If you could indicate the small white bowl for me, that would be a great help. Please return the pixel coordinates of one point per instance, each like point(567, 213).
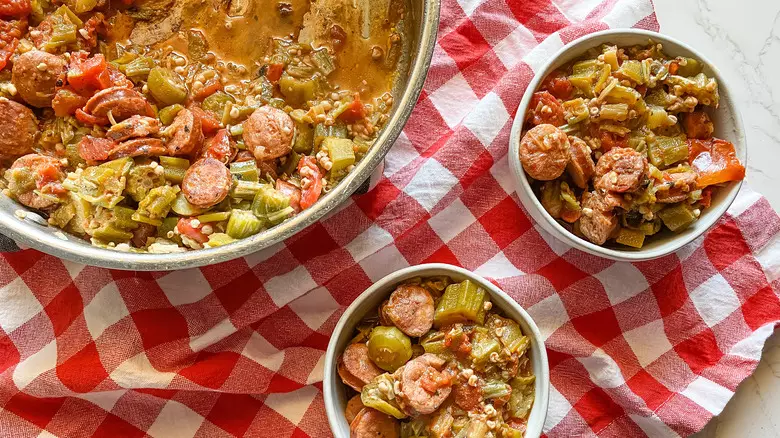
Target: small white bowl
point(728, 126)
point(367, 303)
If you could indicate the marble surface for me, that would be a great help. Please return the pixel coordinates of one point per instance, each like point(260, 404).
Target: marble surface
point(743, 39)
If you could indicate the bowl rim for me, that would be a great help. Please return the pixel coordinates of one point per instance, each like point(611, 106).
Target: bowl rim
point(674, 243)
point(541, 402)
point(33, 232)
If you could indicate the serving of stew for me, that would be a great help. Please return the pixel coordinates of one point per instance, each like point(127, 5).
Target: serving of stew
point(168, 125)
point(437, 360)
point(619, 144)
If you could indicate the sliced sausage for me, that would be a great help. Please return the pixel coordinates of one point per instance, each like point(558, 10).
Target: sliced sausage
point(47, 172)
point(93, 149)
point(581, 167)
point(221, 147)
point(348, 379)
point(187, 134)
point(18, 128)
point(35, 76)
point(598, 220)
point(467, 397)
point(417, 396)
point(357, 363)
point(544, 152)
point(206, 183)
point(135, 126)
point(268, 133)
point(621, 170)
point(698, 125)
point(138, 147)
point(354, 406)
point(410, 308)
point(371, 423)
point(677, 188)
point(121, 102)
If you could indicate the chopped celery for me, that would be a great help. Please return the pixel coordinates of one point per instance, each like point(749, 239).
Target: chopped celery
point(462, 302)
point(182, 207)
point(271, 206)
point(138, 68)
point(166, 86)
point(434, 342)
point(110, 233)
point(218, 239)
point(167, 114)
point(174, 174)
point(610, 57)
point(341, 152)
point(245, 189)
point(657, 117)
point(614, 111)
point(323, 61)
point(631, 70)
point(583, 82)
point(217, 102)
point(602, 77)
point(304, 138)
point(482, 346)
point(168, 226)
point(243, 224)
point(179, 163)
point(677, 217)
point(496, 389)
point(296, 90)
point(629, 237)
point(322, 131)
point(245, 171)
point(673, 149)
point(509, 333)
point(291, 163)
point(589, 66)
point(576, 110)
point(689, 67)
point(621, 94)
point(217, 216)
point(522, 398)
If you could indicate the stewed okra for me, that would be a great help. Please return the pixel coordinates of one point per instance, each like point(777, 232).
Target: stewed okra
point(438, 360)
point(619, 144)
point(142, 136)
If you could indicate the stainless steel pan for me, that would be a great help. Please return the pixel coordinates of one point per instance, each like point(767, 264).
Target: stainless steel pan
point(33, 232)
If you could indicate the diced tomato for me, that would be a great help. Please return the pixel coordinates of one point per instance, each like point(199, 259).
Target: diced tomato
point(308, 169)
point(715, 161)
point(558, 85)
point(432, 380)
point(642, 89)
point(92, 149)
point(46, 174)
point(15, 8)
point(210, 87)
point(10, 33)
point(354, 112)
point(220, 147)
point(89, 119)
point(209, 123)
point(517, 424)
point(274, 72)
point(673, 67)
point(467, 397)
point(66, 102)
point(706, 197)
point(87, 75)
point(289, 190)
point(608, 139)
point(90, 27)
point(186, 229)
point(545, 108)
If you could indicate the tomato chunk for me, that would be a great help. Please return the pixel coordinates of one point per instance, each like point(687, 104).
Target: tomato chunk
point(715, 161)
point(88, 74)
point(354, 112)
point(208, 122)
point(289, 190)
point(274, 72)
point(309, 170)
point(186, 229)
point(10, 33)
point(220, 147)
point(545, 109)
point(15, 8)
point(558, 85)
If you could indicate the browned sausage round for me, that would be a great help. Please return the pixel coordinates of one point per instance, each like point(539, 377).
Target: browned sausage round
point(35, 76)
point(416, 399)
point(138, 147)
point(354, 406)
point(357, 363)
point(187, 134)
point(206, 183)
point(410, 308)
point(348, 379)
point(18, 128)
point(371, 423)
point(47, 172)
point(598, 220)
point(268, 133)
point(544, 152)
point(122, 102)
point(581, 167)
point(135, 126)
point(621, 170)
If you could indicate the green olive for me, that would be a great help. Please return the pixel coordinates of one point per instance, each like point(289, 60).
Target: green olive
point(389, 348)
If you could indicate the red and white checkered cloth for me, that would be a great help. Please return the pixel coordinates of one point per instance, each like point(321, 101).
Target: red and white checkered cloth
point(236, 349)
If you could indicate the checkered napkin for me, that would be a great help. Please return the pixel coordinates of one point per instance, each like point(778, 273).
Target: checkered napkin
point(236, 349)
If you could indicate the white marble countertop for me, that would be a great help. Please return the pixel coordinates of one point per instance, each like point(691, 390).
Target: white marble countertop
point(743, 39)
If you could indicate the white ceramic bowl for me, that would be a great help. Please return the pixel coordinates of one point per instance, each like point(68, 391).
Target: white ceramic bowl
point(728, 126)
point(368, 302)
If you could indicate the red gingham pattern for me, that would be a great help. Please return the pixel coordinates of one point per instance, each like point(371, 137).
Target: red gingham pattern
point(654, 348)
